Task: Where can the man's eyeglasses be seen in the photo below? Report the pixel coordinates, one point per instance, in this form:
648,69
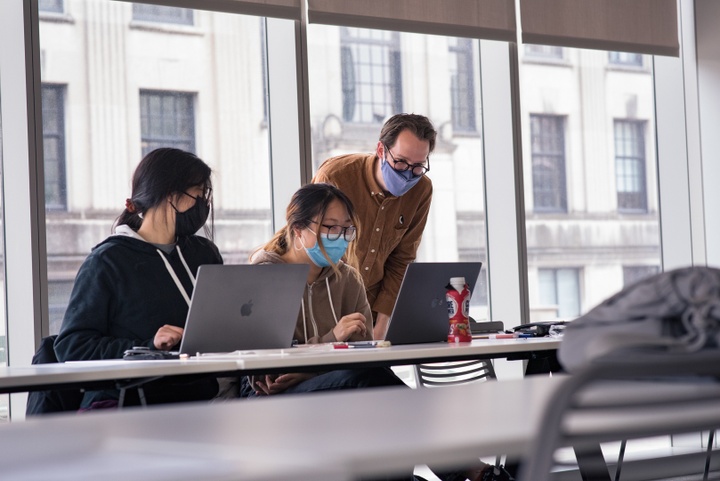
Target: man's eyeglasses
335,231
402,165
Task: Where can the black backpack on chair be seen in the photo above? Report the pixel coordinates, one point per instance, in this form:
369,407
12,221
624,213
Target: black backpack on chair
53,401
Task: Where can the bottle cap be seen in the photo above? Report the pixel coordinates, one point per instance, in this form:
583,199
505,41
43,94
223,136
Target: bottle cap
458,283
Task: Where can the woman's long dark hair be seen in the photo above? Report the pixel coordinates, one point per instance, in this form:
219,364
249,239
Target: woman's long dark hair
307,203
160,174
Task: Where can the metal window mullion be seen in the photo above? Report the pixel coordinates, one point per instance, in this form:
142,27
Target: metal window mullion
505,206
23,190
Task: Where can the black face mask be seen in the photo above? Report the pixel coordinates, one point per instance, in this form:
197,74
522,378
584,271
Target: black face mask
189,222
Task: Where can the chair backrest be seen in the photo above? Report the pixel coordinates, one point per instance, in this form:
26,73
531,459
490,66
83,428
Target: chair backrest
625,396
453,373
44,402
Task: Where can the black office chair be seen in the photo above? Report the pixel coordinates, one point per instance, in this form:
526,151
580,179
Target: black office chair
53,401
626,396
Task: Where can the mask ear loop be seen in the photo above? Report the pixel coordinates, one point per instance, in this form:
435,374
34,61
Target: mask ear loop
296,237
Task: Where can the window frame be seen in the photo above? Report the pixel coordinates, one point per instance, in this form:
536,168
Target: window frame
557,171
555,272
162,140
635,166
59,136
462,85
391,68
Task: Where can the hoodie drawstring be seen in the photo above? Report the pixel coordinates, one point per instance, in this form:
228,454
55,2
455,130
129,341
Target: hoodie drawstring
302,306
312,319
172,273
327,285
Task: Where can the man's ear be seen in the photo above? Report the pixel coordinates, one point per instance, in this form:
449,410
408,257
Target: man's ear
380,150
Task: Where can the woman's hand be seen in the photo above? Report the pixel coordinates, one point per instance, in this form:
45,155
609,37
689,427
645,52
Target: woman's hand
261,383
269,385
350,325
167,337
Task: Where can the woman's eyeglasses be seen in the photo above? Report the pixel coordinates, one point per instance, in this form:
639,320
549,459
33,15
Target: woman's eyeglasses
335,231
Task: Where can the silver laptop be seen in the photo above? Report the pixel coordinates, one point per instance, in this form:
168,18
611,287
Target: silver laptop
244,307
420,313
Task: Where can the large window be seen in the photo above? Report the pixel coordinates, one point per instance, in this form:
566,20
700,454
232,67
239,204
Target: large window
128,89
160,14
630,165
167,119
584,172
371,75
355,84
462,84
53,111
548,163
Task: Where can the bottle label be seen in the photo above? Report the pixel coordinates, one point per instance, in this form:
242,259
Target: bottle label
458,305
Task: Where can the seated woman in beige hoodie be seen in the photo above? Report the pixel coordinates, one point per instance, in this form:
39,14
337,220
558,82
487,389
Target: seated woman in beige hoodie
321,230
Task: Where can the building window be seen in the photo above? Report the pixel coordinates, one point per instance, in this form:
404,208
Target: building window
160,14
371,75
633,274
53,118
561,288
462,85
625,58
630,165
548,163
167,120
544,51
55,6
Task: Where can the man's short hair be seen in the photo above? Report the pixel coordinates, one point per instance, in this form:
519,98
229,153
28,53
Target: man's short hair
419,125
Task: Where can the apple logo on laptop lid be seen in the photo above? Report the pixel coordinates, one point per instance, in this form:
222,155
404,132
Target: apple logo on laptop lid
246,309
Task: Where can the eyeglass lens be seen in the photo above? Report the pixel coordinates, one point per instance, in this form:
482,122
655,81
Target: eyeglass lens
335,231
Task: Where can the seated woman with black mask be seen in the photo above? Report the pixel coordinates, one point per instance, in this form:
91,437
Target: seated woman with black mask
135,287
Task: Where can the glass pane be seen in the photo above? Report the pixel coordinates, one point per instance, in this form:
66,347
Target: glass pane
106,103
589,147
4,398
358,78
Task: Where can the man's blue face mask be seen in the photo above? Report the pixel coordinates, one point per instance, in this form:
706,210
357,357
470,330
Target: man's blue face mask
397,182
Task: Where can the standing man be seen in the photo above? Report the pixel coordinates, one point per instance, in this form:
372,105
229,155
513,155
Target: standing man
391,196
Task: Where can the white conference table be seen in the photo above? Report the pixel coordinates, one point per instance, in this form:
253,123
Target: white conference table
341,435
90,373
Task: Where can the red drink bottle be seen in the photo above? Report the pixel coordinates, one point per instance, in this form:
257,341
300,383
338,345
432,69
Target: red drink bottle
458,303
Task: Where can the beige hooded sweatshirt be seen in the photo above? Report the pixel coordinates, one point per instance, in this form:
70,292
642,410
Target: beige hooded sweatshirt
326,301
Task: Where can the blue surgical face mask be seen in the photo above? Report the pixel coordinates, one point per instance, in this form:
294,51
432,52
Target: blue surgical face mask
335,250
397,182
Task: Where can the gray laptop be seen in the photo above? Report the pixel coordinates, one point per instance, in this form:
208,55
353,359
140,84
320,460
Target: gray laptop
244,307
420,313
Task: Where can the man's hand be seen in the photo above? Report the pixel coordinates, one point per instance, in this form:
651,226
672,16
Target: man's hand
167,337
382,321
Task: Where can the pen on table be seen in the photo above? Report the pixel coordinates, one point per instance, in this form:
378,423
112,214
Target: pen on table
505,336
